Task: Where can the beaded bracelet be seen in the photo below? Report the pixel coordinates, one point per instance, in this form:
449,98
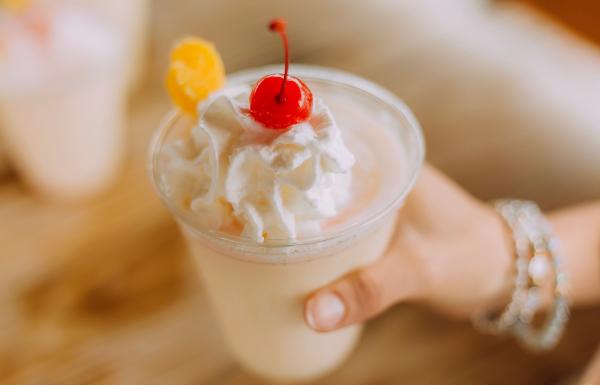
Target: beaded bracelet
498,323
537,254
545,256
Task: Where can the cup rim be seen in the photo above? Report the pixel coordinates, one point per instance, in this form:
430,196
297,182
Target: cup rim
283,247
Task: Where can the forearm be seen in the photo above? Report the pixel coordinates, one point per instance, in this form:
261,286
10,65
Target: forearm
578,229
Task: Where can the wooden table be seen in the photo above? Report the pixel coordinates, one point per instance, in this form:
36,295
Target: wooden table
105,292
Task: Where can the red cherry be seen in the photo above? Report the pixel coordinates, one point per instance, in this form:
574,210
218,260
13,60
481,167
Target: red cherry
280,101
276,110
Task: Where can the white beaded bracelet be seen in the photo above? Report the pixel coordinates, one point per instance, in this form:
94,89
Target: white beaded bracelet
545,258
537,255
494,322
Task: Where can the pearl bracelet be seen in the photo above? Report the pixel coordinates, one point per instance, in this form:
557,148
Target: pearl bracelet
492,322
536,256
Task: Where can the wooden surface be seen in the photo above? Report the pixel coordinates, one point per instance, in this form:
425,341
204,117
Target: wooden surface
581,15
105,292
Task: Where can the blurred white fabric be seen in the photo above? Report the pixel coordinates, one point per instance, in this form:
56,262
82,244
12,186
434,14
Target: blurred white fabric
508,102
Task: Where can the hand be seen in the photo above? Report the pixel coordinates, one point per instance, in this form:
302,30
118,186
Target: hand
449,251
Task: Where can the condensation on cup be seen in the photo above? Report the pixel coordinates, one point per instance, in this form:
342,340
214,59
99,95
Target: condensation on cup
62,99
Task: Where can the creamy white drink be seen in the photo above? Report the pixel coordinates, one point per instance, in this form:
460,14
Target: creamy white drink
131,17
61,99
273,215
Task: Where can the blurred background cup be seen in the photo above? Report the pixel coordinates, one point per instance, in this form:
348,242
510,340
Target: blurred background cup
62,98
132,18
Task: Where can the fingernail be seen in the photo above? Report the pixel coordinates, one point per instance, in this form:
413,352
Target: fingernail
325,311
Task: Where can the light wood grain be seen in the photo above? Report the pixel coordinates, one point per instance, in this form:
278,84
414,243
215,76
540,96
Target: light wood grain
104,292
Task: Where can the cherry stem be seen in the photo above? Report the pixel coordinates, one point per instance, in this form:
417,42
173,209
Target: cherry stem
278,25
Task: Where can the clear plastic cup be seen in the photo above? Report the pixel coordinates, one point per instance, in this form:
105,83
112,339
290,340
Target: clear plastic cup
258,289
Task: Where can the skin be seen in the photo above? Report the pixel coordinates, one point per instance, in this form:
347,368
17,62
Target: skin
592,375
455,254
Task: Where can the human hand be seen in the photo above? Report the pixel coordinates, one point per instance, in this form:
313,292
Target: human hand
449,251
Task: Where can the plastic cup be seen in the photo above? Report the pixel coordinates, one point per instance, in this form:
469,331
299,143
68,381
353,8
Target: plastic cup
258,290
64,133
131,17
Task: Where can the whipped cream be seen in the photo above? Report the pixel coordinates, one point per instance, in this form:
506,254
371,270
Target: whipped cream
274,184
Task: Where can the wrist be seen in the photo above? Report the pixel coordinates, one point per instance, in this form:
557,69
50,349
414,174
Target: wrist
480,275
498,247
578,230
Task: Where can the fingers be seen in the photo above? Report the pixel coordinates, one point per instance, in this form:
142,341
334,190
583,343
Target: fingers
360,295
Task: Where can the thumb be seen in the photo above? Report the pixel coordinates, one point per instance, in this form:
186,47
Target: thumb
360,295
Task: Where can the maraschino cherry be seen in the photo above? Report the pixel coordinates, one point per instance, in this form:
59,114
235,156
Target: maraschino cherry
280,101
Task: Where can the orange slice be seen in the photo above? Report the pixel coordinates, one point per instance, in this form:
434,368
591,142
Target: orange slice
195,71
